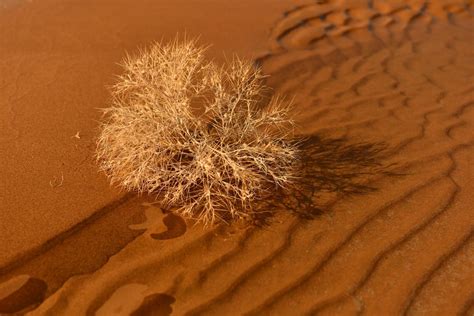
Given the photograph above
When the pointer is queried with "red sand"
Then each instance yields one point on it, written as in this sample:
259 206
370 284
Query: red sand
398 72
57 57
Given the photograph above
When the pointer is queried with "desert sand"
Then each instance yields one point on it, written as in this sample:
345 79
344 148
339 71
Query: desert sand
377 232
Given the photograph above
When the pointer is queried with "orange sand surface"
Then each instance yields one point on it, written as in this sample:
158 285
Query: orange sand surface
380 233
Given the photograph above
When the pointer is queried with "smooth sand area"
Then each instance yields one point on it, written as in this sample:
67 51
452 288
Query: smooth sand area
57 57
397 239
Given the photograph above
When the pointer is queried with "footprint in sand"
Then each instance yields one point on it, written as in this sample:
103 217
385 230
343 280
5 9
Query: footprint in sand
133 299
155 305
21 292
159 225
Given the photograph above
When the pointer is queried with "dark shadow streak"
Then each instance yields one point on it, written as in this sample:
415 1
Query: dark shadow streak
26 298
49 244
329 168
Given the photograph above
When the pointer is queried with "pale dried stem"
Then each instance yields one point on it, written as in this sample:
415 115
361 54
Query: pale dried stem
208 166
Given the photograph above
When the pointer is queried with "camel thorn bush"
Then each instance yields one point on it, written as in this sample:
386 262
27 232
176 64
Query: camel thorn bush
202 138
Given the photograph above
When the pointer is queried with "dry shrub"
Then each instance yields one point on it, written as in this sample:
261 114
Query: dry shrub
203 138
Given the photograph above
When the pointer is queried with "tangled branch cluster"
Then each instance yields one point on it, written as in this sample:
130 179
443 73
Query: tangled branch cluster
200 137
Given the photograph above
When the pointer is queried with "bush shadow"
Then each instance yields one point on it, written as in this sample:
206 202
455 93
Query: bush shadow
330 168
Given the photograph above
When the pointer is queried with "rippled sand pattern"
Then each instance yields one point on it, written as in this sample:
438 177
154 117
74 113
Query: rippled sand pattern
392 72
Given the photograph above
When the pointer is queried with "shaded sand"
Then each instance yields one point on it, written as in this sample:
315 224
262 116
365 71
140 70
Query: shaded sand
362 73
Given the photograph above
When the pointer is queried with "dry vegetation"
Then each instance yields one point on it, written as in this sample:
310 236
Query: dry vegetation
202 138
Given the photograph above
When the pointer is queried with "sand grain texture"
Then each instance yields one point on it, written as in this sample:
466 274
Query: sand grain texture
397 72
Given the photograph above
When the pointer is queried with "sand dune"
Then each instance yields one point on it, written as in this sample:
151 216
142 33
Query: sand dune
383 224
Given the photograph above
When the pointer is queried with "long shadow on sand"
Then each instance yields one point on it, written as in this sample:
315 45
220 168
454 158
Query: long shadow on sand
331 168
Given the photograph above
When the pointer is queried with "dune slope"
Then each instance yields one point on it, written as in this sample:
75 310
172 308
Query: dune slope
397 239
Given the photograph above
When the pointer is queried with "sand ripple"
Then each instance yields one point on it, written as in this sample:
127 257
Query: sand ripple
397 72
